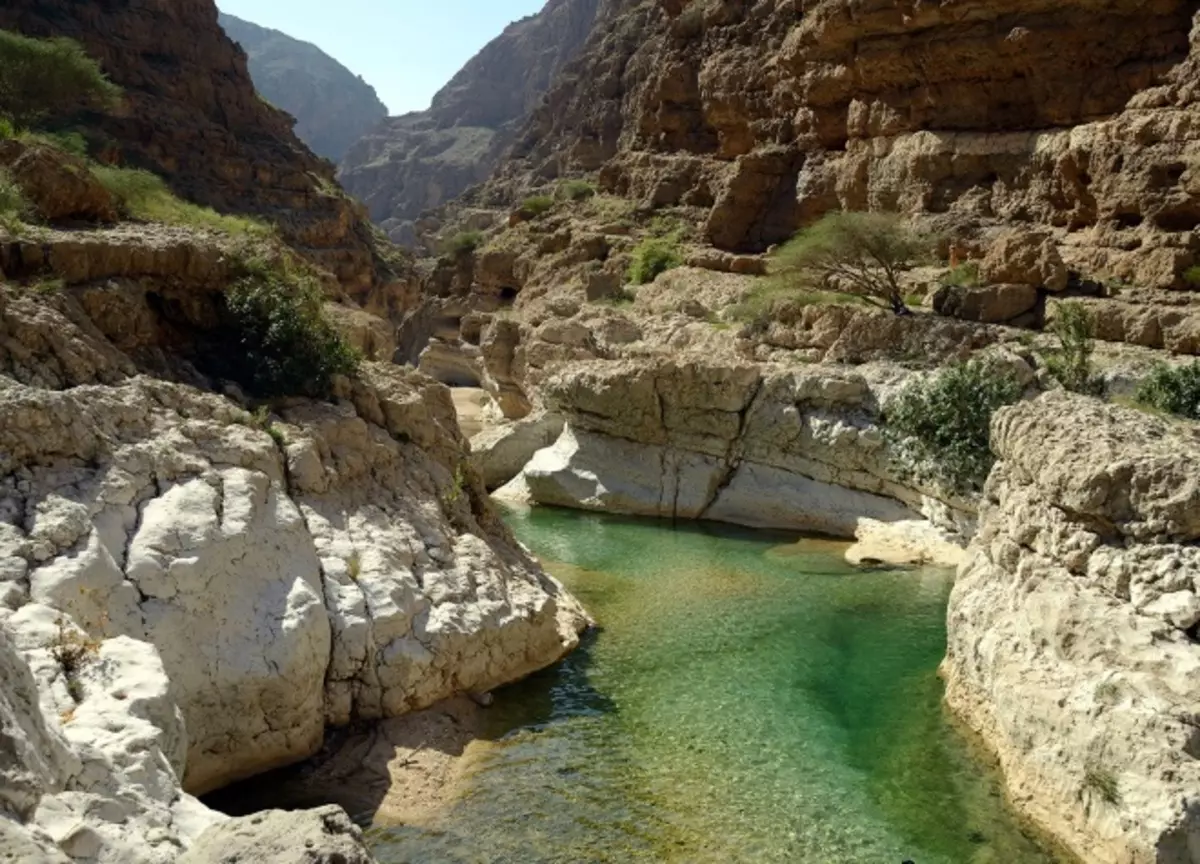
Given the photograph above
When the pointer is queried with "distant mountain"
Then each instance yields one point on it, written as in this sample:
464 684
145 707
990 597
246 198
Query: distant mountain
423 159
333 107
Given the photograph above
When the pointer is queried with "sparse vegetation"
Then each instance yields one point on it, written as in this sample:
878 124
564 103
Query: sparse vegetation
942 424
463 243
760 304
1107 691
1071 363
67 141
145 196
1103 782
13 207
964 275
536 206
653 257
1172 389
1192 276
46 287
576 190
276 340
72 650
45 79
859 254
354 567
8 129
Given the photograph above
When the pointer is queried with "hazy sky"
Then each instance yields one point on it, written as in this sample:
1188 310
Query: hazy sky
405 49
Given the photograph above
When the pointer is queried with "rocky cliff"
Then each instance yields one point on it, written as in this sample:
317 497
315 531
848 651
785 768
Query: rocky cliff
333 107
191 115
1070 115
422 160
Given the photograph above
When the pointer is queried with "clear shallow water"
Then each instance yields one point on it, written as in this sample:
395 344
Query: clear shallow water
744 701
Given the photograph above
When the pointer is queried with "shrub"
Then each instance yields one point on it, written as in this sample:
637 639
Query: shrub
278 339
42 79
964 275
943 423
861 254
145 196
68 141
1174 389
1192 276
653 257
1103 782
13 207
576 190
8 129
463 243
1071 363
538 205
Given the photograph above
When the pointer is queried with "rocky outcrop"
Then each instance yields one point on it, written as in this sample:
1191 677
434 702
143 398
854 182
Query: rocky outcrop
191 115
333 107
754 445
422 160
324 836
1073 647
500 453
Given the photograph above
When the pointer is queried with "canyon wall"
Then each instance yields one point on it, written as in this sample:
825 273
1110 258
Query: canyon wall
422 160
333 107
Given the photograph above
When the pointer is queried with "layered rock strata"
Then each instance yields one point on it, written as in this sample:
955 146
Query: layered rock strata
1073 646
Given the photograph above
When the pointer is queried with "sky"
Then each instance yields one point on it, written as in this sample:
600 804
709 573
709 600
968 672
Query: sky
406 49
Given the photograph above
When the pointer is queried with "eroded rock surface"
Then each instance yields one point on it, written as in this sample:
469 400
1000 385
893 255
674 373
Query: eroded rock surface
1072 646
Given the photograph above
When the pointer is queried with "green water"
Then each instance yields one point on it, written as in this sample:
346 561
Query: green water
745 700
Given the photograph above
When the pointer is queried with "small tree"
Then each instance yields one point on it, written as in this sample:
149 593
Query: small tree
943 424
861 254
1071 363
43 79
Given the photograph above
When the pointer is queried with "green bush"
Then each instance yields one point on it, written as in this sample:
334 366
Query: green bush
145 196
8 129
653 257
964 275
942 424
69 142
13 207
43 79
576 190
860 254
276 337
538 205
1192 276
1174 389
1071 363
464 243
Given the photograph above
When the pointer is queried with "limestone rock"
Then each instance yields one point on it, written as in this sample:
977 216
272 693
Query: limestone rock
499 453
1068 651
903 542
987 304
322 836
1024 257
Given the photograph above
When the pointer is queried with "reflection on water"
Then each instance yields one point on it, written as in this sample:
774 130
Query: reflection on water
744 701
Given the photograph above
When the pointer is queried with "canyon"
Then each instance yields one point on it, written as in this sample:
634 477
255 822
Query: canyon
195 587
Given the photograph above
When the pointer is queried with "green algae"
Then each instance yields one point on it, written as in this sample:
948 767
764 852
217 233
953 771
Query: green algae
745 699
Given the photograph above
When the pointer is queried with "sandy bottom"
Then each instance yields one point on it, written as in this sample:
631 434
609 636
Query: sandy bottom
394 772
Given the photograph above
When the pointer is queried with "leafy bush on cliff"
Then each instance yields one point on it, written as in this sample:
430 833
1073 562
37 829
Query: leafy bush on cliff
145 196
13 207
942 424
1071 363
1174 389
463 243
44 79
279 341
536 206
653 257
576 190
859 254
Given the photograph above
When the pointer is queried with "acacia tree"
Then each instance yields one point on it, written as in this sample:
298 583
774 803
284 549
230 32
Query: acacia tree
44 79
860 254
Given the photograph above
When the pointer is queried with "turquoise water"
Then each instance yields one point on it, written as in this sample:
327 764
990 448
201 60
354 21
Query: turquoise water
746 699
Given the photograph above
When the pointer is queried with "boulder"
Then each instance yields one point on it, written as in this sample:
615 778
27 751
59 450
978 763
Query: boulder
987 304
322 836
57 185
501 452
1025 257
